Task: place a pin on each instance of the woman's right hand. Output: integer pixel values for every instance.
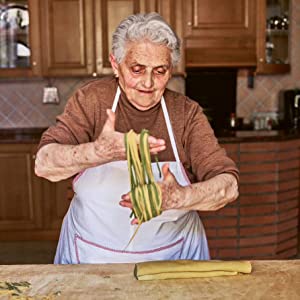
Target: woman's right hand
(110, 142)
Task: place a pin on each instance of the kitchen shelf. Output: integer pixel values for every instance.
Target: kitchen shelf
(273, 44)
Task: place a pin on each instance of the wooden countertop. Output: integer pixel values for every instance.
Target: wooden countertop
(278, 279)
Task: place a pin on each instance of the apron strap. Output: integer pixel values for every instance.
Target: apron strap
(167, 119)
(116, 100)
(170, 130)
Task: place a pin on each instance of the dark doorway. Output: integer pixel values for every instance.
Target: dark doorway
(215, 90)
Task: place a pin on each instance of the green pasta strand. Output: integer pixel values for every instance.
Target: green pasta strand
(145, 192)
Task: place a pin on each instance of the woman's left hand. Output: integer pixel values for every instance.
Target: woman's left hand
(172, 192)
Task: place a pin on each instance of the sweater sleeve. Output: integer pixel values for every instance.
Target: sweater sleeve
(75, 125)
(206, 157)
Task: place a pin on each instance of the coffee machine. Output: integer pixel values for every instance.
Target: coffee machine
(289, 106)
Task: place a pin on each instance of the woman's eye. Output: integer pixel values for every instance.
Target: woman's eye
(137, 70)
(160, 71)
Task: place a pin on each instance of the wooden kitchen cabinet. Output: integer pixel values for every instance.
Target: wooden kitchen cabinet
(110, 13)
(57, 197)
(31, 208)
(78, 43)
(73, 37)
(172, 12)
(20, 54)
(273, 36)
(20, 190)
(67, 37)
(220, 33)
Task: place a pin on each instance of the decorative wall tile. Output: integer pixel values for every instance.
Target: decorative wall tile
(21, 101)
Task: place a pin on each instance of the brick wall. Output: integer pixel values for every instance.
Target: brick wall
(263, 222)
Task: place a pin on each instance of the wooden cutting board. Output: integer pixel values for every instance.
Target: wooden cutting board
(269, 280)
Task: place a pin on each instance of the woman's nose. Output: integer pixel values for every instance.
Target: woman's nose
(148, 80)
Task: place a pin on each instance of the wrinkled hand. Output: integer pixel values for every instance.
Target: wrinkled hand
(172, 192)
(110, 142)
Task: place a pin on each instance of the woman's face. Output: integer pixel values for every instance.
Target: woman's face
(144, 73)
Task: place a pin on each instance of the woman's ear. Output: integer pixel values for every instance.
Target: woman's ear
(114, 65)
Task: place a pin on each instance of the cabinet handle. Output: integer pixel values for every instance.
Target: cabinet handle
(261, 60)
(94, 74)
(33, 157)
(34, 63)
(189, 23)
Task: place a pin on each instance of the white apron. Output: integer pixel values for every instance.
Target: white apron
(96, 229)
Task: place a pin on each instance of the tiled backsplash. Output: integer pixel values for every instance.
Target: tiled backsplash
(21, 101)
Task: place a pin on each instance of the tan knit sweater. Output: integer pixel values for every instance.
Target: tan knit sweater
(198, 148)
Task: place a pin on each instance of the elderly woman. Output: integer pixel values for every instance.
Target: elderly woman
(88, 141)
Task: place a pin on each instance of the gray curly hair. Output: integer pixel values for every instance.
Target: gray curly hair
(149, 26)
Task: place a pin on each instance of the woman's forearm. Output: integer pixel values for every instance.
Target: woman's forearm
(211, 194)
(57, 162)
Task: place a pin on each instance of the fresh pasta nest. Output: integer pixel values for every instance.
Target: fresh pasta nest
(145, 193)
(174, 269)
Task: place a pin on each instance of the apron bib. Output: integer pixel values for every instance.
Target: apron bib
(96, 229)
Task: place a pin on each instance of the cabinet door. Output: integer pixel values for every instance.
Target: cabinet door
(273, 37)
(19, 39)
(57, 198)
(20, 190)
(220, 33)
(67, 37)
(171, 11)
(108, 14)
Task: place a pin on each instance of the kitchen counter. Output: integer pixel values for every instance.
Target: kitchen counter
(250, 136)
(268, 280)
(33, 135)
(21, 135)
